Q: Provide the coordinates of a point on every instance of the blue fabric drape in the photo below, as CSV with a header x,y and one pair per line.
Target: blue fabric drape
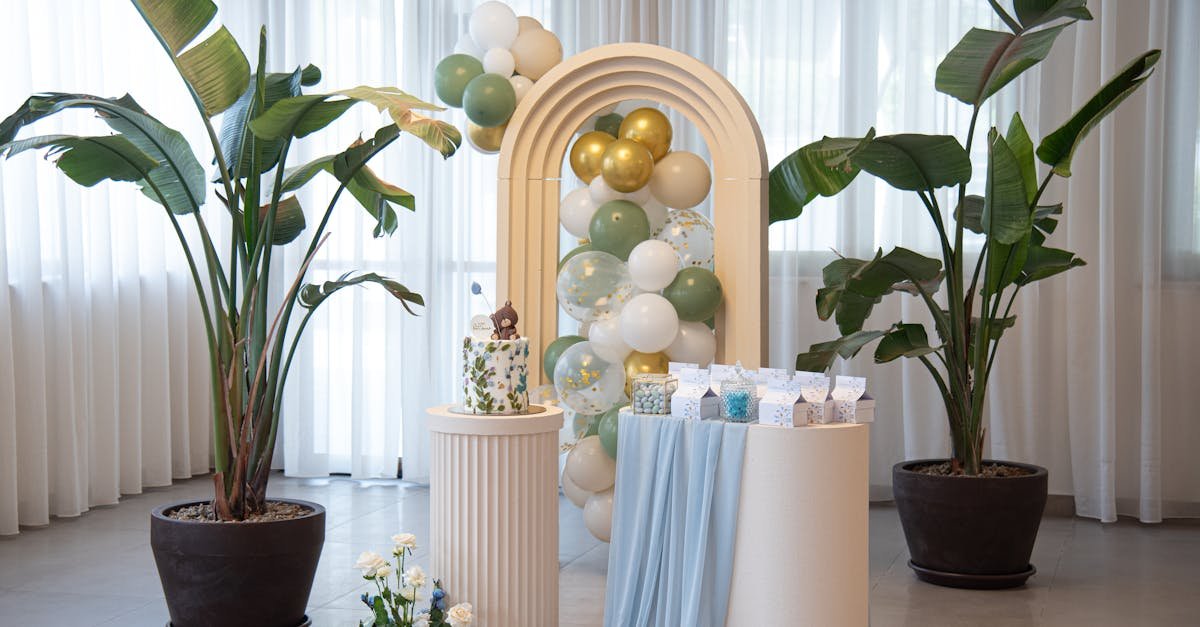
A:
x,y
674,517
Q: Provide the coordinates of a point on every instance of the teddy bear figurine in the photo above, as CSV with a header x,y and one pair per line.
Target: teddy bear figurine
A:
x,y
505,323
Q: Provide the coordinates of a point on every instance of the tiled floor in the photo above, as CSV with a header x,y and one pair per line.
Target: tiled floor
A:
x,y
97,569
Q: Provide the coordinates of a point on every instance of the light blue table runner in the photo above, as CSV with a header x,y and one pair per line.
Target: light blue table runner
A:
x,y
674,518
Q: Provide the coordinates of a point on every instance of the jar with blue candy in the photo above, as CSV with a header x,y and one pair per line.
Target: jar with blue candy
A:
x,y
739,400
651,393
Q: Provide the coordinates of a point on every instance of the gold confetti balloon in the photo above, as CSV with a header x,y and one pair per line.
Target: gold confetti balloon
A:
x,y
650,128
587,154
486,139
626,165
643,363
587,383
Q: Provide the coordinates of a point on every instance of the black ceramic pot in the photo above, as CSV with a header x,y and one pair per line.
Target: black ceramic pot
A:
x,y
970,532
255,574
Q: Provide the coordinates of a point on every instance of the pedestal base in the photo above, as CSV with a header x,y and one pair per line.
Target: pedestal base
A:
x,y
493,511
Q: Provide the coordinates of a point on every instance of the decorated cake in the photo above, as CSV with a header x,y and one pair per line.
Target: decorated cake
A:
x,y
495,367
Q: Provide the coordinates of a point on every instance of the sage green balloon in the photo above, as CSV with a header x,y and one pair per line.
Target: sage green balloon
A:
x,y
555,349
618,226
695,293
582,248
451,76
610,124
489,100
608,431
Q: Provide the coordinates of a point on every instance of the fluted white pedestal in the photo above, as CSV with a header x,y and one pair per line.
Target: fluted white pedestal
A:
x,y
800,552
494,513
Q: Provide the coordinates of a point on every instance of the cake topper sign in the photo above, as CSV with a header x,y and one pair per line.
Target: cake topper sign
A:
x,y
501,325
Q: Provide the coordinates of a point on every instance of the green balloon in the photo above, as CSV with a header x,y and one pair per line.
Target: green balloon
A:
x,y
608,431
618,226
489,100
695,293
582,248
555,349
610,124
451,76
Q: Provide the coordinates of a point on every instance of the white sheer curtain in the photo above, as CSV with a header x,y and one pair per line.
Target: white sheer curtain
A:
x,y
102,381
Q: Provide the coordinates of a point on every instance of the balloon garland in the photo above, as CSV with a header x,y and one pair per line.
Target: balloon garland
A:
x,y
640,283
493,66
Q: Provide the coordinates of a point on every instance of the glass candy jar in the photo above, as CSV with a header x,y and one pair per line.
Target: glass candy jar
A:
x,y
651,393
739,400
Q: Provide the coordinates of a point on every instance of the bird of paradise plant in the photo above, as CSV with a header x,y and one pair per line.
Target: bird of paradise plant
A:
x,y
251,118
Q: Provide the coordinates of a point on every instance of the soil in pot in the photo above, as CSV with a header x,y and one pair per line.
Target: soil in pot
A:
x,y
970,531
237,574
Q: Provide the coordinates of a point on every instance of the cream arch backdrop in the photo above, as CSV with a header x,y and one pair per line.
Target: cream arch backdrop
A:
x,y
531,160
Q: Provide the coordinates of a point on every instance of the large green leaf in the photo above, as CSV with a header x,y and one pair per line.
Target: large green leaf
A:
x,y
904,340
1005,210
289,220
88,160
234,130
1057,148
313,294
970,213
1043,262
180,178
1004,263
820,168
299,116
915,162
216,69
984,61
1044,222
1022,148
821,356
854,286
1034,13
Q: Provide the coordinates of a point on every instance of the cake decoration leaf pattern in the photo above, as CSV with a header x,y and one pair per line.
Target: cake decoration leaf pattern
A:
x,y
495,376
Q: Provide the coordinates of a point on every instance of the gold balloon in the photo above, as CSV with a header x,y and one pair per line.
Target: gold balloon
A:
x,y
486,140
643,363
627,165
650,128
587,154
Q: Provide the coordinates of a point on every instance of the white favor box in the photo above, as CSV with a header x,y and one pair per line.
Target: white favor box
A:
x,y
694,399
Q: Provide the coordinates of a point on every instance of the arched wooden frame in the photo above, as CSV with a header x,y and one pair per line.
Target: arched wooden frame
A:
x,y
531,160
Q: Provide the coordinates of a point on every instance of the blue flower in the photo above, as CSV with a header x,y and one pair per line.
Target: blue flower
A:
x,y
439,594
475,288
440,604
366,599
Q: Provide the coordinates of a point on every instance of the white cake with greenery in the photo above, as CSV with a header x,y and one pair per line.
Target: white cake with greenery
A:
x,y
494,376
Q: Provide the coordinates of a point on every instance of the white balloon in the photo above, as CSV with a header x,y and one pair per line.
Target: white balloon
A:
x,y
576,212
499,61
526,23
589,467
576,494
656,213
649,323
467,46
605,337
602,193
494,25
598,514
536,51
653,264
680,180
694,344
521,86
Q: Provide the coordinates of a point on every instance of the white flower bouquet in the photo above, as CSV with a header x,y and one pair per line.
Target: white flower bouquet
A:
x,y
398,607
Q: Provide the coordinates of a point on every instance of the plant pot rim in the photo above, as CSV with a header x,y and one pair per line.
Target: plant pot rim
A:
x,y
905,468
315,509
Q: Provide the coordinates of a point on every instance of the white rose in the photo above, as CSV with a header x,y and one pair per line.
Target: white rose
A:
x,y
422,620
460,615
370,562
383,571
415,577
408,593
406,540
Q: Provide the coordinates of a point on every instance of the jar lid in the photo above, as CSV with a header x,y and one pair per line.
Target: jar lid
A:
x,y
739,378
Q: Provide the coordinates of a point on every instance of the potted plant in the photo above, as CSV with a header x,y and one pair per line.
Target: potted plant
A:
x,y
258,572
969,522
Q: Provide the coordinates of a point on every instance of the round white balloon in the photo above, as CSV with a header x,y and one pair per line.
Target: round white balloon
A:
x,y
576,494
694,344
576,212
602,193
536,51
598,513
467,46
649,323
589,467
494,25
499,61
605,338
681,180
653,264
521,86
656,213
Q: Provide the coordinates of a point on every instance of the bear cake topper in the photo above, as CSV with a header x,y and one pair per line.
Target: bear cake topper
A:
x,y
501,325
